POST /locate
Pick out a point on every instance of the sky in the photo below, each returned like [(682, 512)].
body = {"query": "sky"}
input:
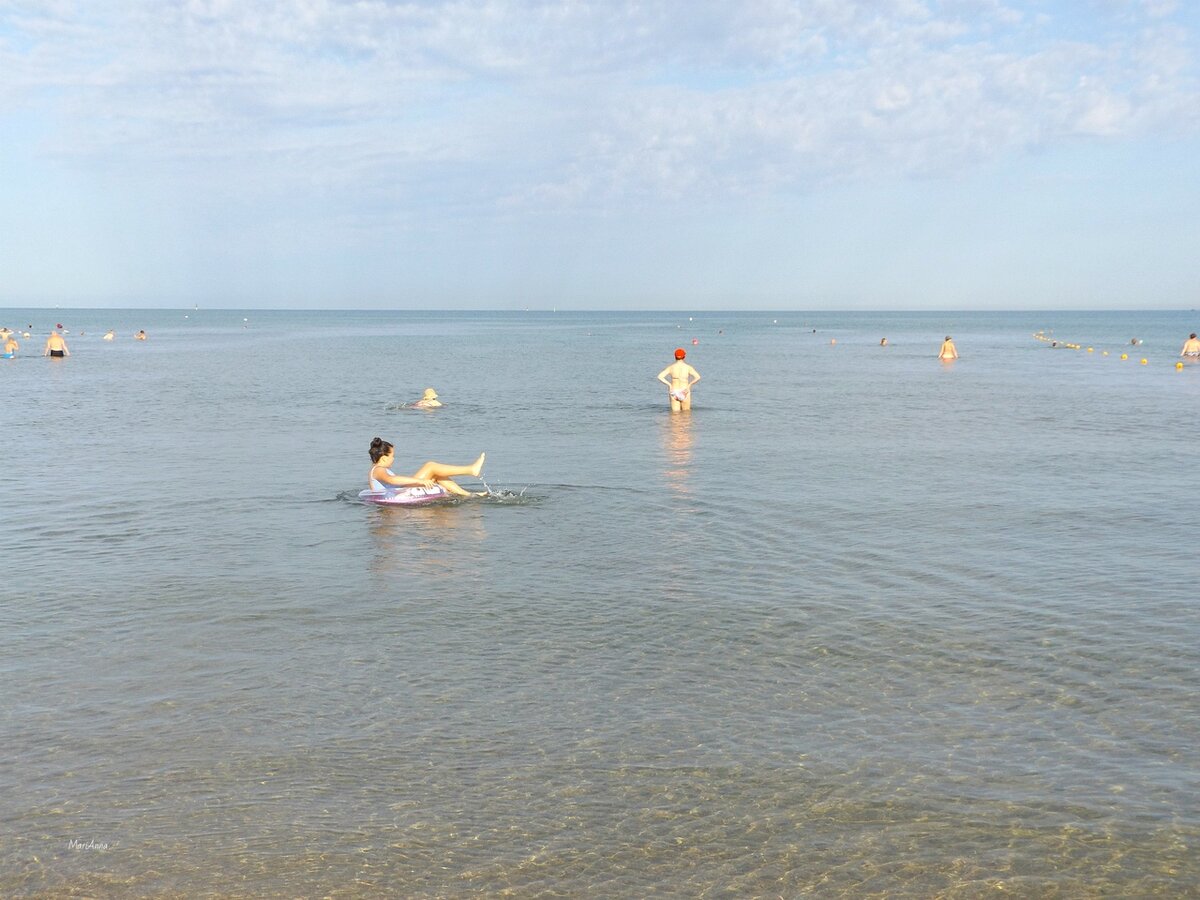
[(600, 154)]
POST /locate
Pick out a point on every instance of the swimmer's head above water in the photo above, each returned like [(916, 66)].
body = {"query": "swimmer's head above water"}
[(430, 394), (680, 353), (379, 449)]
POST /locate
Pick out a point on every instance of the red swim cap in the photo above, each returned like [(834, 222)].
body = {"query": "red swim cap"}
[(680, 353)]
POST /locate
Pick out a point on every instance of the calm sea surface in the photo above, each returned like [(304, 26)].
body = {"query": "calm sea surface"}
[(860, 624)]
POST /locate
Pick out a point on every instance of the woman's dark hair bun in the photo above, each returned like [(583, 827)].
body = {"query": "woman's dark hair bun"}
[(378, 448)]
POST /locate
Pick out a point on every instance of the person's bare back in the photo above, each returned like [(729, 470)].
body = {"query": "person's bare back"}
[(679, 378), (56, 346)]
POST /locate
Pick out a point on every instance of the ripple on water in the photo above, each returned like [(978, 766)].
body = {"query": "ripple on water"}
[(888, 630)]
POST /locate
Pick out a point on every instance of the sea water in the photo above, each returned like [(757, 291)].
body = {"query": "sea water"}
[(860, 623)]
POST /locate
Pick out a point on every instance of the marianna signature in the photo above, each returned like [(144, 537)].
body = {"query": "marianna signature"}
[(89, 844)]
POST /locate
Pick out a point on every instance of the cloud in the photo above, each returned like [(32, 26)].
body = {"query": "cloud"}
[(1160, 8), (495, 104)]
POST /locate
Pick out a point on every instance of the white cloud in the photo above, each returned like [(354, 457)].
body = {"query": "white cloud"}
[(1161, 8), (893, 97), (503, 102), (1100, 112)]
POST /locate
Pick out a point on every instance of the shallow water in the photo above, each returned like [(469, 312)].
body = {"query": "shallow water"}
[(861, 623)]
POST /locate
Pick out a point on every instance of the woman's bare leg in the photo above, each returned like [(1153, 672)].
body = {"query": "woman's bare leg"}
[(437, 471), (452, 487)]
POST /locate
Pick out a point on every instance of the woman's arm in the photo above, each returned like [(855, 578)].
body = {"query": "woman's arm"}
[(383, 476)]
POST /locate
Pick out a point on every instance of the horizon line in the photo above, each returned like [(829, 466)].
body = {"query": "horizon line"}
[(593, 311)]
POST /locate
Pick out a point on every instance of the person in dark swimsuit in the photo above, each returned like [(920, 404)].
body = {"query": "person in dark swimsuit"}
[(56, 347)]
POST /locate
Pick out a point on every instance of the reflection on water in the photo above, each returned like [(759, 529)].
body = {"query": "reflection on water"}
[(433, 541), (677, 438)]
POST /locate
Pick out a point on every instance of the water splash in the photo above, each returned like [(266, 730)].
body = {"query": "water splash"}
[(512, 498)]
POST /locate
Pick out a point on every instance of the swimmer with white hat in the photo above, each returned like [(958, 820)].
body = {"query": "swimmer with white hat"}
[(429, 400)]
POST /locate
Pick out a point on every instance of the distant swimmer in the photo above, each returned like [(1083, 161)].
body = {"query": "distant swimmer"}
[(883, 342), (1191, 347), (56, 346), (429, 400), (140, 336), (679, 378), (948, 351), (109, 335), (10, 347), (383, 455)]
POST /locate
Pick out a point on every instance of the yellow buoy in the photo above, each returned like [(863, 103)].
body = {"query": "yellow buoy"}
[(1089, 349), (1143, 360), (1105, 353), (1179, 365), (1124, 356)]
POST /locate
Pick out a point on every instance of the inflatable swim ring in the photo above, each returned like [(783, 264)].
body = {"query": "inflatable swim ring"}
[(407, 496)]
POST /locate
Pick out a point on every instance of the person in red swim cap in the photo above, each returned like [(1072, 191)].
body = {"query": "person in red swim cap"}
[(679, 378)]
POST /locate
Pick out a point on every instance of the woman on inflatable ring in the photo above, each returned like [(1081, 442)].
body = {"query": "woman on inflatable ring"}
[(433, 474)]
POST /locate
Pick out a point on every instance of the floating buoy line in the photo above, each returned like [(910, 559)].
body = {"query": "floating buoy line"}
[(1068, 345)]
